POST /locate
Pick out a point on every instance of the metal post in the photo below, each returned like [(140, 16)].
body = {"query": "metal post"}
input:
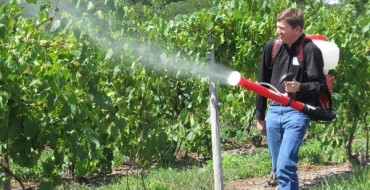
[(216, 147)]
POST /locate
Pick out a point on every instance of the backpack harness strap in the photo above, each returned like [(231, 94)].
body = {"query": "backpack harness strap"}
[(277, 43)]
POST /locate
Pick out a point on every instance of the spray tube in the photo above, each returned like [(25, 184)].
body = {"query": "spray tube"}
[(317, 113)]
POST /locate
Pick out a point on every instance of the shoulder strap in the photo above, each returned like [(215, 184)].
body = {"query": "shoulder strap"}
[(302, 64), (301, 53), (275, 49), (304, 41)]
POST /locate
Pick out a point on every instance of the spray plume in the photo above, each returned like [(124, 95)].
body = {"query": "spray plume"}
[(153, 58)]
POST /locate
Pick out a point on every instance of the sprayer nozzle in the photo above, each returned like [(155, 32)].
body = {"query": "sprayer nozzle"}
[(234, 78)]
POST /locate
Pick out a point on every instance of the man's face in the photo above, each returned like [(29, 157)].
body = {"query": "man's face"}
[(287, 33)]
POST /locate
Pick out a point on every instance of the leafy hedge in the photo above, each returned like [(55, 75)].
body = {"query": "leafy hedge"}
[(84, 85)]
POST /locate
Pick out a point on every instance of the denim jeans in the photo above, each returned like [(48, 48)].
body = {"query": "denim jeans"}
[(285, 128)]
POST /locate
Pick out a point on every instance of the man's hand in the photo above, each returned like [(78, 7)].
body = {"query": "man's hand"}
[(261, 125), (292, 86)]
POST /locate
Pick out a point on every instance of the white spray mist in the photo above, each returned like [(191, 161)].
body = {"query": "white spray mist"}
[(153, 57)]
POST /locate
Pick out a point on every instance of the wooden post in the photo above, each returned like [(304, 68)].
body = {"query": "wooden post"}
[(216, 145), (367, 140)]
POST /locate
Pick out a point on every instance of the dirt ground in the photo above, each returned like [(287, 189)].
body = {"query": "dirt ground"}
[(308, 176)]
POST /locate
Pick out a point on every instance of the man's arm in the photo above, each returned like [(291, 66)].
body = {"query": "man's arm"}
[(264, 75)]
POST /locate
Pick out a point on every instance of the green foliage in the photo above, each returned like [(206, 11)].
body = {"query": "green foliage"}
[(172, 9), (312, 152), (77, 84)]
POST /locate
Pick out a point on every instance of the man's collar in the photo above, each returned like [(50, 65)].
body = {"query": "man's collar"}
[(299, 39)]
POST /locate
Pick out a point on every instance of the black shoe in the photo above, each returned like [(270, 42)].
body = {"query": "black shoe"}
[(272, 180)]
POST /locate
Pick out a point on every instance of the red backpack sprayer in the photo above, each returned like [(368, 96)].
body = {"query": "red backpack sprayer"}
[(330, 53)]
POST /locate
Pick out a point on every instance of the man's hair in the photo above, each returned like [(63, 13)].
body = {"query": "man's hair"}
[(293, 16)]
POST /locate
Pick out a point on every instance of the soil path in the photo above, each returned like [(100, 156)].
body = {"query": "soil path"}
[(308, 176)]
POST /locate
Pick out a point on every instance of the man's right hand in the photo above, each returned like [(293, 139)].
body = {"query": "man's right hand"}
[(261, 126)]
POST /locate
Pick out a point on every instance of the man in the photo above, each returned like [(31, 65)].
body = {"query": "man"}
[(285, 126)]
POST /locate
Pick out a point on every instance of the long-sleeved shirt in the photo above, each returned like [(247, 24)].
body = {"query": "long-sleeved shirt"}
[(310, 73)]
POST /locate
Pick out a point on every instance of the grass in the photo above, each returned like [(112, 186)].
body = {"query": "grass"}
[(234, 167), (358, 180), (312, 152), (239, 166)]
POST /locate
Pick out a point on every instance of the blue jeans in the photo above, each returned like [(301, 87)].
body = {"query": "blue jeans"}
[(285, 128)]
